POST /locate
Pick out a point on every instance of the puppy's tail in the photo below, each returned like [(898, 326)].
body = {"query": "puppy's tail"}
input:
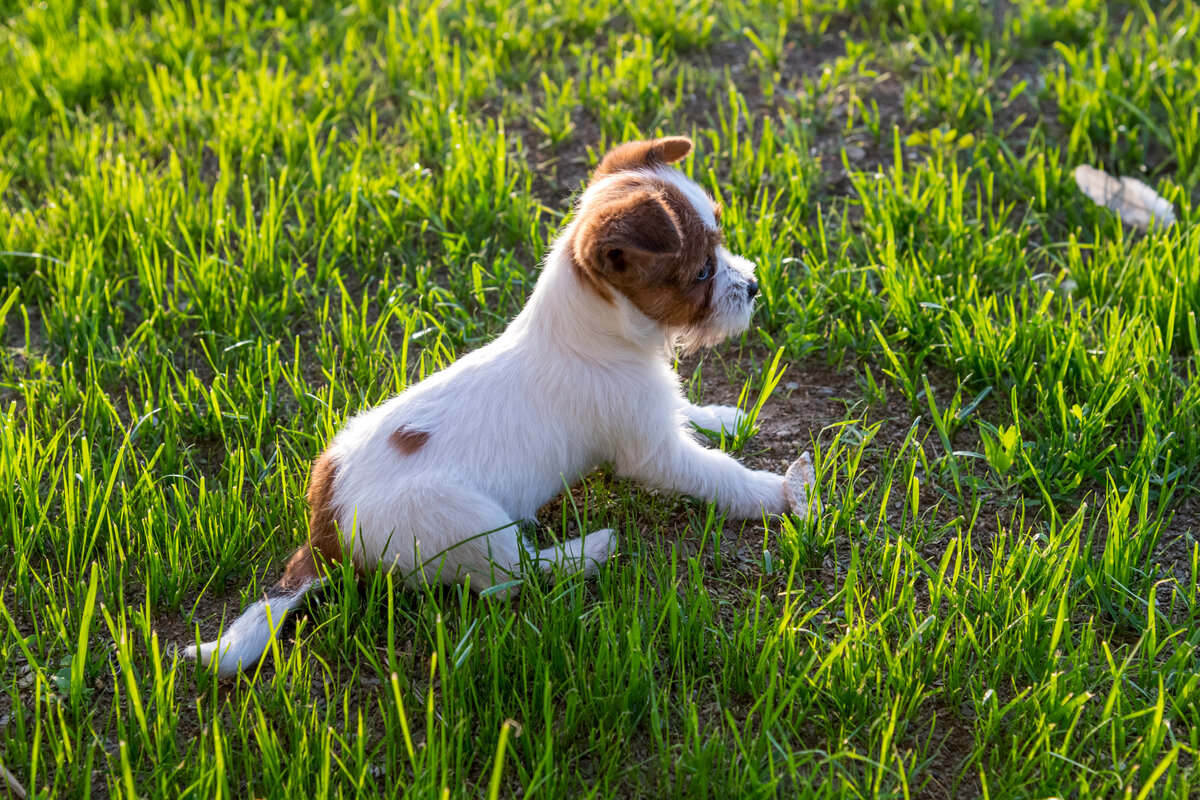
[(243, 643)]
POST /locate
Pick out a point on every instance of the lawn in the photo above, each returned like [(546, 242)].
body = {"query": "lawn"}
[(226, 227)]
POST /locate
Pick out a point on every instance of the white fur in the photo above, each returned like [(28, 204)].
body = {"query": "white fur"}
[(574, 381)]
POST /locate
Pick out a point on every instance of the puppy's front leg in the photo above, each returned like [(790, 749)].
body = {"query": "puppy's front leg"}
[(714, 418), (680, 464)]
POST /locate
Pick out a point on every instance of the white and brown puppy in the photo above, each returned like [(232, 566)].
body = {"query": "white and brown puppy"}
[(433, 482)]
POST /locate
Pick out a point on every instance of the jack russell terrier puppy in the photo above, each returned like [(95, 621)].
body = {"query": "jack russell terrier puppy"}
[(435, 481)]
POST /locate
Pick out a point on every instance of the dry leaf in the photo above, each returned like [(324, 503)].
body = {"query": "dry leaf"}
[(1133, 201)]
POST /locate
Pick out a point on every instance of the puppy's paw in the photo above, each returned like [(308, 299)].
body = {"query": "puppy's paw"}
[(800, 487)]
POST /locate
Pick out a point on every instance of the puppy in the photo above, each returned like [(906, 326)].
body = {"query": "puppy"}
[(434, 481)]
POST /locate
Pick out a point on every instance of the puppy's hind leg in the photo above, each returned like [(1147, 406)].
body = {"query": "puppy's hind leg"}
[(507, 552), (453, 535), (461, 536), (584, 554)]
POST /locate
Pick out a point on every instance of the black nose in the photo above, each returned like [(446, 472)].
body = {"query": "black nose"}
[(751, 289)]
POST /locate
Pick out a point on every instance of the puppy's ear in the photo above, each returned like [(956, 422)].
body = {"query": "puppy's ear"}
[(619, 232), (643, 155)]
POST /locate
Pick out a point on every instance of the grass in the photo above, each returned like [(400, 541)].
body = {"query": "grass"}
[(225, 228)]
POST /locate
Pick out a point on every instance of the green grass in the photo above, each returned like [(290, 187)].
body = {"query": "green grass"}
[(225, 228)]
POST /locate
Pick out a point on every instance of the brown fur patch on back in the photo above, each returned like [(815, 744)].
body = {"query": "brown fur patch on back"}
[(645, 154), (408, 440), (642, 237), (323, 535), (324, 540)]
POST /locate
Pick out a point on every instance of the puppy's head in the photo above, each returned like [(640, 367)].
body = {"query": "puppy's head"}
[(645, 231)]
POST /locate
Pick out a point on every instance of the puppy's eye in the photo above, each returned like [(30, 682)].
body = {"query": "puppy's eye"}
[(710, 266)]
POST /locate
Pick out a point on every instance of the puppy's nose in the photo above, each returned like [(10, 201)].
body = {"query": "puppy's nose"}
[(751, 289)]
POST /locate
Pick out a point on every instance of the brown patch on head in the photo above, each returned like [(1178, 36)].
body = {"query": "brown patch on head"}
[(644, 155), (408, 440), (642, 237)]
